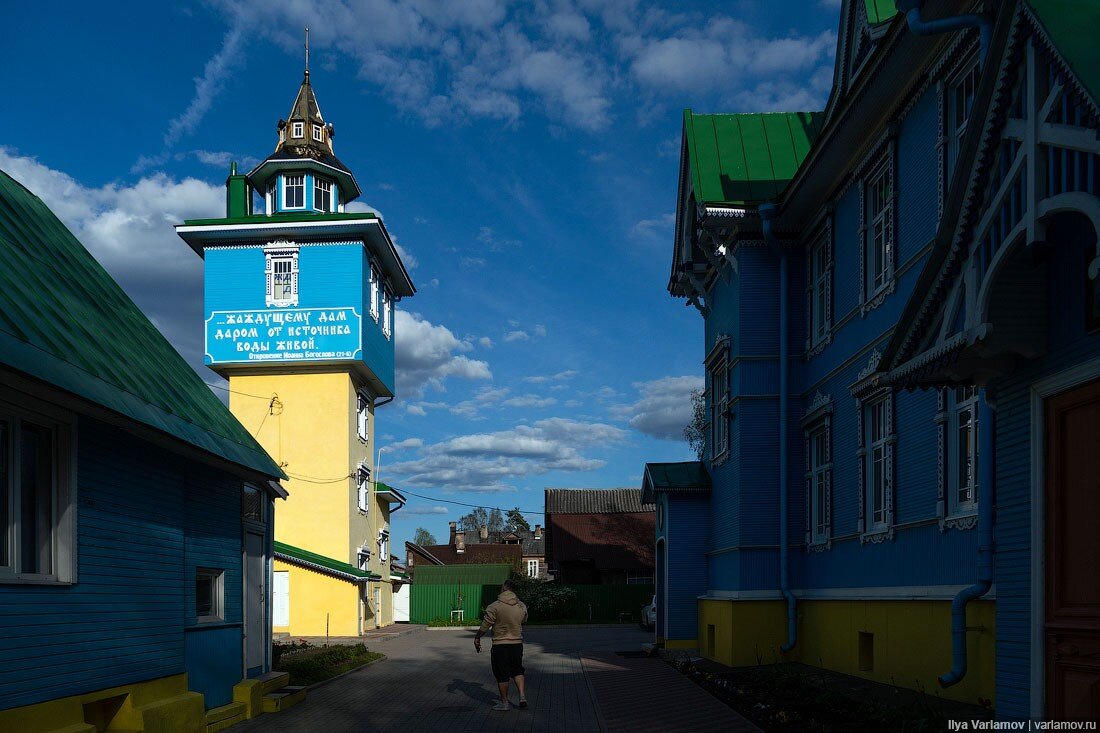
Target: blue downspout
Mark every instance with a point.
(767, 216)
(921, 27)
(986, 473)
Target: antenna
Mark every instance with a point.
(307, 51)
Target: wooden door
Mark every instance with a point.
(1072, 624)
(256, 627)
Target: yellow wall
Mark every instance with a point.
(315, 598)
(912, 640)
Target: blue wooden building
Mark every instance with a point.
(135, 511)
(901, 311)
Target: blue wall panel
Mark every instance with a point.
(687, 572)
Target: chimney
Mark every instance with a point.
(538, 531)
(483, 533)
(451, 541)
(460, 542)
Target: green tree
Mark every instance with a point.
(424, 537)
(496, 522)
(695, 432)
(474, 520)
(515, 520)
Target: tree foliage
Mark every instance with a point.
(695, 432)
(472, 521)
(496, 522)
(424, 537)
(515, 521)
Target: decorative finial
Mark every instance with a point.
(307, 51)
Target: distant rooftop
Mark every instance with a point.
(594, 501)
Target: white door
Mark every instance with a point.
(401, 603)
(255, 630)
(281, 600)
(378, 607)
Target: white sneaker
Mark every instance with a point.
(503, 705)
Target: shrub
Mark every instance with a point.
(309, 666)
(545, 601)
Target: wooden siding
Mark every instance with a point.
(687, 566)
(122, 621)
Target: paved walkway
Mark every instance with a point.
(434, 681)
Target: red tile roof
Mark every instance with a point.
(476, 554)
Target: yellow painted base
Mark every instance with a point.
(156, 706)
(903, 643)
(322, 605)
(225, 716)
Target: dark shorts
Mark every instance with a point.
(507, 661)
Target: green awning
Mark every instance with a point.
(322, 564)
(65, 321)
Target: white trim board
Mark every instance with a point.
(1040, 390)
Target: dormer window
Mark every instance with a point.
(294, 192)
(298, 129)
(318, 134)
(322, 194)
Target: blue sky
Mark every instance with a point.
(524, 156)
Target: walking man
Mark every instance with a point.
(506, 616)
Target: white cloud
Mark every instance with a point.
(529, 400)
(485, 342)
(404, 444)
(414, 510)
(663, 408)
(207, 87)
(540, 330)
(659, 227)
(425, 355)
(559, 377)
(517, 336)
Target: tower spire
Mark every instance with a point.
(307, 51)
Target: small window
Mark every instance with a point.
(963, 456)
(294, 192)
(298, 129)
(818, 477)
(362, 417)
(252, 504)
(879, 253)
(387, 313)
(271, 199)
(878, 462)
(719, 398)
(362, 480)
(819, 290)
(209, 595)
(318, 133)
(960, 100)
(282, 276)
(322, 194)
(639, 578)
(384, 545)
(36, 507)
(374, 291)
(364, 559)
(532, 568)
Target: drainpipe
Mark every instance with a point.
(986, 430)
(767, 217)
(921, 27)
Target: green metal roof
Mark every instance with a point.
(487, 574)
(746, 158)
(65, 321)
(686, 476)
(880, 11)
(321, 563)
(1071, 26)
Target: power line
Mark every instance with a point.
(462, 503)
(226, 389)
(313, 480)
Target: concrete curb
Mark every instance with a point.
(592, 692)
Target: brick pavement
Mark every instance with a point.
(670, 702)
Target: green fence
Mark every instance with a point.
(437, 590)
(609, 602)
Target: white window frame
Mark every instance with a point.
(62, 536)
(318, 133)
(363, 557)
(374, 282)
(276, 256)
(271, 199)
(363, 488)
(718, 401)
(362, 417)
(819, 470)
(638, 577)
(387, 312)
(880, 238)
(297, 129)
(289, 180)
(876, 461)
(322, 185)
(384, 544)
(958, 408)
(217, 609)
(532, 568)
(819, 276)
(968, 75)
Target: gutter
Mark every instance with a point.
(920, 27)
(767, 218)
(986, 479)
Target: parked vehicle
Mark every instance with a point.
(649, 615)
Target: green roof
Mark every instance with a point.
(686, 476)
(746, 158)
(321, 563)
(65, 321)
(293, 217)
(880, 11)
(1071, 26)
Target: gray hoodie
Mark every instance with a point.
(506, 615)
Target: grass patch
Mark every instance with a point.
(441, 621)
(316, 664)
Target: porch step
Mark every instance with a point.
(251, 692)
(284, 698)
(272, 681)
(222, 717)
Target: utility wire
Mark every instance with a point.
(476, 506)
(226, 389)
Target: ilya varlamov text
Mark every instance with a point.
(1019, 725)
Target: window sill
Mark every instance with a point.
(969, 520)
(720, 459)
(878, 297)
(210, 625)
(877, 536)
(13, 579)
(821, 545)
